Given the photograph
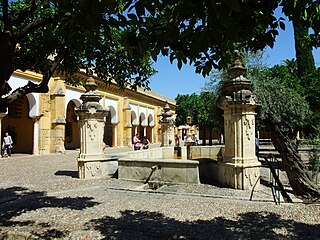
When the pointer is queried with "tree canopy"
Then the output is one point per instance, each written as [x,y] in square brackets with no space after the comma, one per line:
[202,109]
[203,33]
[116,38]
[66,36]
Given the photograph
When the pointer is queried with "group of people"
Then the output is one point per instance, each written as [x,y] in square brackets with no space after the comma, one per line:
[137,144]
[6,145]
[193,137]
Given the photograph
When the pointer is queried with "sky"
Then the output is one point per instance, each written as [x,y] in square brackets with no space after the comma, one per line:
[170,81]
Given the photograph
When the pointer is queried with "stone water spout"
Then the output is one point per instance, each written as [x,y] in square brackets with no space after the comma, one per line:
[153,169]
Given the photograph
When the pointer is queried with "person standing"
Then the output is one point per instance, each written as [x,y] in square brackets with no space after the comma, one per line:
[6,145]
[176,140]
[136,142]
[257,146]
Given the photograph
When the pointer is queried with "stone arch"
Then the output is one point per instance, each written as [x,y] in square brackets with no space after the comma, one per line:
[134,119]
[32,105]
[113,114]
[109,127]
[150,120]
[72,133]
[142,125]
[20,125]
[142,120]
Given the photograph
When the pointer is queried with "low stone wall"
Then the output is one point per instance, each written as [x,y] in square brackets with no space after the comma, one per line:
[213,152]
[136,166]
[149,153]
[208,157]
[102,168]
[208,170]
[305,152]
[167,171]
[157,153]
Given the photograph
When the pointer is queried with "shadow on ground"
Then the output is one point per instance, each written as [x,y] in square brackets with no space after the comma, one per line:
[251,225]
[15,201]
[69,173]
[145,225]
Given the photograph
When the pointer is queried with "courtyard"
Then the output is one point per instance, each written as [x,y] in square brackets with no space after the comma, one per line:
[42,198]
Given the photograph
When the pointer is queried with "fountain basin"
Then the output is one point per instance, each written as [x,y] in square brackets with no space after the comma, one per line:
[168,171]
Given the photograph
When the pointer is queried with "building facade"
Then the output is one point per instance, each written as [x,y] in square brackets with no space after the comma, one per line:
[43,123]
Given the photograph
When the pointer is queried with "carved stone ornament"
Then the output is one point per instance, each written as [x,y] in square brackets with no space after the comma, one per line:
[167,116]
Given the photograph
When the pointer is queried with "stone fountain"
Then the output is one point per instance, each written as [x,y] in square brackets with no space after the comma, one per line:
[92,162]
[239,168]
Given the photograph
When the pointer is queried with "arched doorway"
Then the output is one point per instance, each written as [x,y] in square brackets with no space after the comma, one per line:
[142,125]
[72,133]
[109,127]
[19,124]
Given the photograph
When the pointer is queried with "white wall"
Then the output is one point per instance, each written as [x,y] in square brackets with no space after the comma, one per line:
[34,98]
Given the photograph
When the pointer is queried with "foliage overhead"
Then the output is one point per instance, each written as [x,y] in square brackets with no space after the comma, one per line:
[117,38]
[67,36]
[203,33]
[282,100]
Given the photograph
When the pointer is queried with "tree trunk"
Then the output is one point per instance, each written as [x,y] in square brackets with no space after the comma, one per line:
[204,136]
[296,170]
[6,56]
[304,55]
[210,137]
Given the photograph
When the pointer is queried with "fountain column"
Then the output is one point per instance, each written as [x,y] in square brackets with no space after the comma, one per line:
[167,127]
[240,168]
[91,161]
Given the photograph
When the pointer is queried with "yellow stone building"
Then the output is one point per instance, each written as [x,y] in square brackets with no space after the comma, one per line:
[43,123]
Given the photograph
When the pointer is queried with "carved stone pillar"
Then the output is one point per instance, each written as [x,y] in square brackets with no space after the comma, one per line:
[36,134]
[167,129]
[91,161]
[57,97]
[240,168]
[128,126]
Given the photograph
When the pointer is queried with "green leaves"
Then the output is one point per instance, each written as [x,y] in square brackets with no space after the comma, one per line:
[202,108]
[282,25]
[233,5]
[84,33]
[282,100]
[201,33]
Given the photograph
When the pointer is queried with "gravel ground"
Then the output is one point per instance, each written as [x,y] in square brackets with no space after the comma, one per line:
[41,198]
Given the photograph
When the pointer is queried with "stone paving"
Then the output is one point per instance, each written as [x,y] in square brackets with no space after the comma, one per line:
[42,198]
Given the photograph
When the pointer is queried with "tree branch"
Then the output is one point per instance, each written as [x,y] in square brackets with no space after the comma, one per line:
[5,6]
[24,14]
[31,87]
[34,25]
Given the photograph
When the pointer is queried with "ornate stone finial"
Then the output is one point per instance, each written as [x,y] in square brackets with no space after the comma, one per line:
[90,97]
[90,85]
[166,108]
[237,83]
[237,69]
[166,114]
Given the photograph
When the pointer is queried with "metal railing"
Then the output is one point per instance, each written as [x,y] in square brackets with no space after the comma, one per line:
[277,187]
